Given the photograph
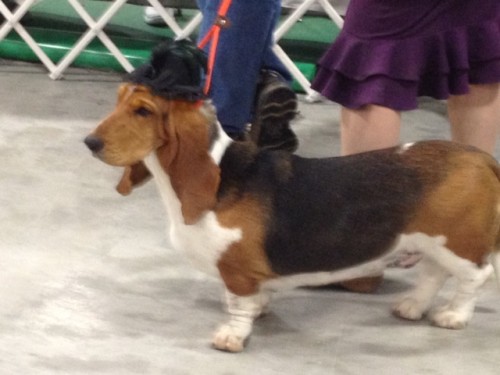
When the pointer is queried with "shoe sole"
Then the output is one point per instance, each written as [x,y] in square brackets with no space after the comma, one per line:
[275,105]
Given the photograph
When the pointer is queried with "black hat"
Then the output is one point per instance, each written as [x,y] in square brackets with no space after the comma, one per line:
[174,71]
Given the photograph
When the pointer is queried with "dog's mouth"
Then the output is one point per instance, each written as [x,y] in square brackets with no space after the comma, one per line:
[99,155]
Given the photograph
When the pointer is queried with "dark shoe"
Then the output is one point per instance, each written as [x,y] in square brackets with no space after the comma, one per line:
[277,136]
[275,107]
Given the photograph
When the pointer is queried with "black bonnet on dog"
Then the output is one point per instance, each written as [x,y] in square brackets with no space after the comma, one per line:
[174,71]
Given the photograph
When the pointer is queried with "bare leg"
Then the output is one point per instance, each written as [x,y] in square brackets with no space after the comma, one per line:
[369,128]
[475,117]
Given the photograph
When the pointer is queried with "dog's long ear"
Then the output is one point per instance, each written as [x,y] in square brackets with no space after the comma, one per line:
[193,173]
[132,177]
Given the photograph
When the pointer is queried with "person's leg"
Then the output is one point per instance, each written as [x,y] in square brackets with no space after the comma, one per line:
[475,117]
[368,128]
[270,60]
[275,102]
[239,57]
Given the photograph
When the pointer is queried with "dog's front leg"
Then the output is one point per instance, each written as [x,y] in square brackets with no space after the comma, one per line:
[232,336]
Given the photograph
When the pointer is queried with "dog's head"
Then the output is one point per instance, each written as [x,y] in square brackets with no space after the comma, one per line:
[138,125]
[166,118]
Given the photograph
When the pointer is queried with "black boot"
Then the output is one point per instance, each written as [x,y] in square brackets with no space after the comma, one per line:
[275,107]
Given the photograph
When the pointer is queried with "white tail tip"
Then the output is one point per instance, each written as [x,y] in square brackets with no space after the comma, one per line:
[495,261]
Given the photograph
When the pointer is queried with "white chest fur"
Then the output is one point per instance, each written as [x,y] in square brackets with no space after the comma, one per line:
[204,241]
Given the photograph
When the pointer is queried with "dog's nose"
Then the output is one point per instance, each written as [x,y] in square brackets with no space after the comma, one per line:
[95,144]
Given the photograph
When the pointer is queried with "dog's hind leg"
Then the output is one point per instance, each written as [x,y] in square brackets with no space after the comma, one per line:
[417,302]
[242,311]
[470,276]
[458,312]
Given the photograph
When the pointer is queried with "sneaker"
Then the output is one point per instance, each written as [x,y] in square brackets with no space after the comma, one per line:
[153,18]
[275,107]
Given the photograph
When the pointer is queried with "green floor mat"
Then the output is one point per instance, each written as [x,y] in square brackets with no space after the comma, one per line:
[56,27]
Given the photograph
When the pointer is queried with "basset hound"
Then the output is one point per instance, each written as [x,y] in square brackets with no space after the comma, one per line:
[267,220]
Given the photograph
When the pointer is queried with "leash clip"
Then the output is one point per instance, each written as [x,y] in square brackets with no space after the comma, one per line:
[222,22]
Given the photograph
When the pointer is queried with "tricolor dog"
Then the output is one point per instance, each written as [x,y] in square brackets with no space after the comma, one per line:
[267,220]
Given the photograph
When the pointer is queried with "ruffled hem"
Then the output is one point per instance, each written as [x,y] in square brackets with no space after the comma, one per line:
[355,72]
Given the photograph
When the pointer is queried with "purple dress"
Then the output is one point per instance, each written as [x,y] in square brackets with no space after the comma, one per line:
[392,51]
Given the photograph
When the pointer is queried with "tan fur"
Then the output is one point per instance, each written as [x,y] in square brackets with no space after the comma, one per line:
[244,265]
[132,177]
[194,175]
[470,225]
[363,284]
[129,138]
[172,131]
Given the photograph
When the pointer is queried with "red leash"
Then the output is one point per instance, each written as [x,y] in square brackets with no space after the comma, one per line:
[213,35]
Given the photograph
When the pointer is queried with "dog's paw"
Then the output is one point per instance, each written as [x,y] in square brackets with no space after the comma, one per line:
[228,339]
[408,308]
[450,319]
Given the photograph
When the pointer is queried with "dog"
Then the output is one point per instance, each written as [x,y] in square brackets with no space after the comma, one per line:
[266,220]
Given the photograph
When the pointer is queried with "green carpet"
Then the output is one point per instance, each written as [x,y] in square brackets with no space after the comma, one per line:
[56,27]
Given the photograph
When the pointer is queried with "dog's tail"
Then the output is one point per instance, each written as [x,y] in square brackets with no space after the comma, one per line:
[495,256]
[495,261]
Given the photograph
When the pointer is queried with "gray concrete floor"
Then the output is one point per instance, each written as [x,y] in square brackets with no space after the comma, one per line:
[90,285]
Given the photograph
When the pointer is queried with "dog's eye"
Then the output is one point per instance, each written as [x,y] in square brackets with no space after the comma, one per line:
[143,112]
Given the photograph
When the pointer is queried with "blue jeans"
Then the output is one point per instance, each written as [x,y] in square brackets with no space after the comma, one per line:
[244,48]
